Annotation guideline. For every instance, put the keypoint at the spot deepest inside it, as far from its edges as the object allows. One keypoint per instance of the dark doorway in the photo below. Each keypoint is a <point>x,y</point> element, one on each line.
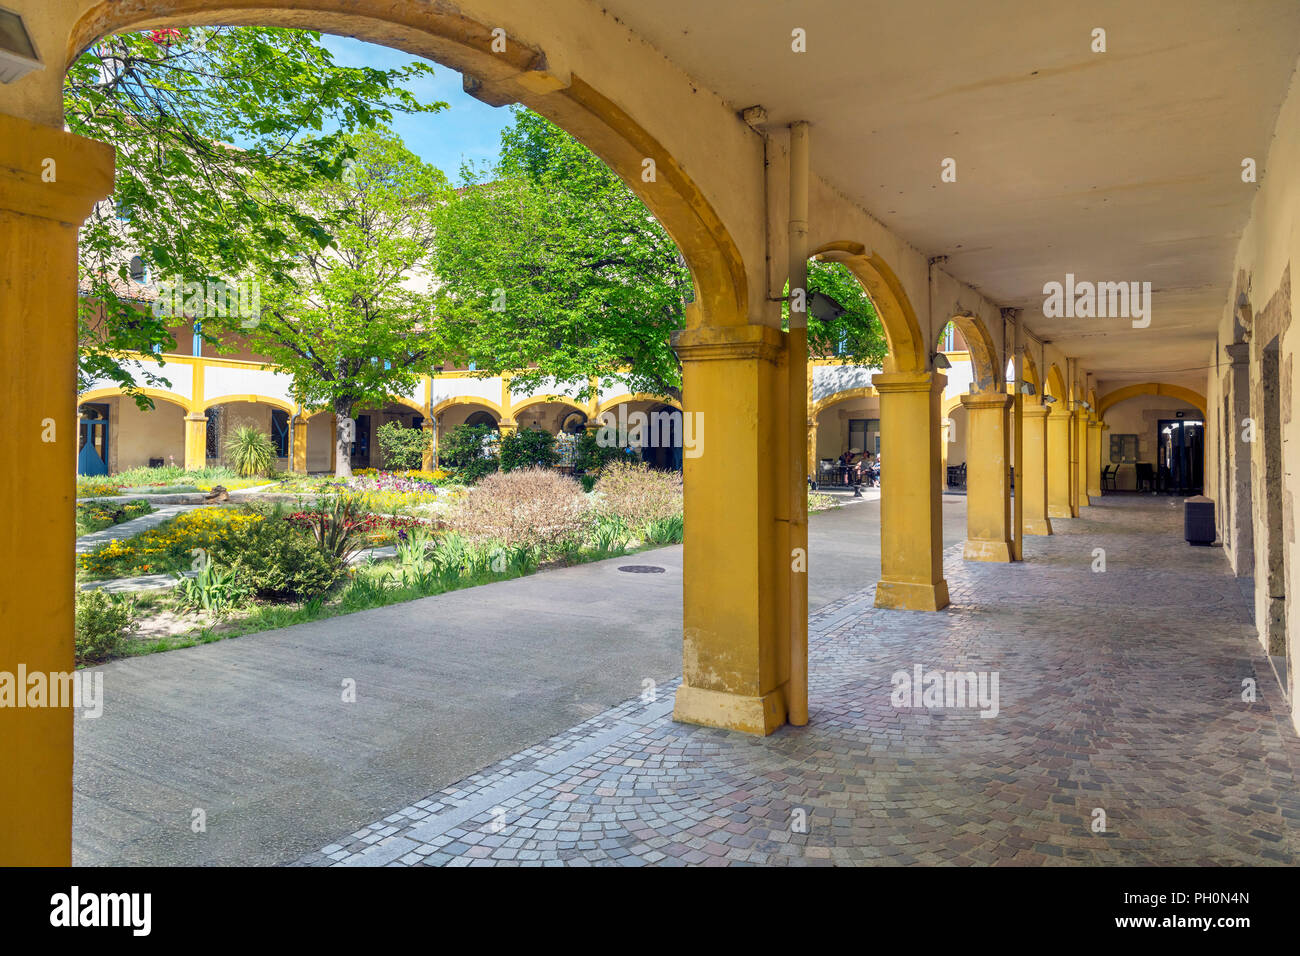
<point>1181,456</point>
<point>361,442</point>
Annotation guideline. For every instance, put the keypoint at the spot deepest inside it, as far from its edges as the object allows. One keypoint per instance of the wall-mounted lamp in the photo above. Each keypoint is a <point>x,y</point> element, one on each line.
<point>824,307</point>
<point>1027,388</point>
<point>1048,400</point>
<point>18,55</point>
<point>941,360</point>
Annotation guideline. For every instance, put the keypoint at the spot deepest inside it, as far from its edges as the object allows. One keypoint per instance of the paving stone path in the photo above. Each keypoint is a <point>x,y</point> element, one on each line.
<point>1120,693</point>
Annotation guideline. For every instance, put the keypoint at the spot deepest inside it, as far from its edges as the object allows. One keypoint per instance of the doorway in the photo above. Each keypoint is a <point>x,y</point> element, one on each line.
<point>92,456</point>
<point>1181,456</point>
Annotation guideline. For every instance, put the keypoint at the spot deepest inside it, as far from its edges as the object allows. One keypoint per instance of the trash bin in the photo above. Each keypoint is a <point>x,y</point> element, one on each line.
<point>1198,520</point>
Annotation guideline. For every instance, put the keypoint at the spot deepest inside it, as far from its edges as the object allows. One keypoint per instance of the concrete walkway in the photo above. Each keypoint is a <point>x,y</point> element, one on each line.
<point>1121,736</point>
<point>254,730</point>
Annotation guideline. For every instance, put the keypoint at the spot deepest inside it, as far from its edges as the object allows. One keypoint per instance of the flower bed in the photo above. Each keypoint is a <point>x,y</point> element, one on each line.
<point>166,548</point>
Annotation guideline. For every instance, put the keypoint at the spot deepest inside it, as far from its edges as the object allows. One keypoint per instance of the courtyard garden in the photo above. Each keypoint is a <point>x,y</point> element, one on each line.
<point>319,548</point>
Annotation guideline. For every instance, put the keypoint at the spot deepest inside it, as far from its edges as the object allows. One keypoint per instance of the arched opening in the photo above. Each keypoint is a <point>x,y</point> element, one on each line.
<point>845,432</point>
<point>518,73</point>
<point>974,335</point>
<point>552,415</point>
<point>226,415</point>
<point>116,434</point>
<point>649,428</point>
<point>911,522</point>
<point>1155,438</point>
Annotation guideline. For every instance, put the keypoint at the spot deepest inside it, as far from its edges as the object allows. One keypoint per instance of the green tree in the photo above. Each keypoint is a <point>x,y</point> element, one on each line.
<point>216,130</point>
<point>352,323</point>
<point>551,264</point>
<point>857,334</point>
<point>402,447</point>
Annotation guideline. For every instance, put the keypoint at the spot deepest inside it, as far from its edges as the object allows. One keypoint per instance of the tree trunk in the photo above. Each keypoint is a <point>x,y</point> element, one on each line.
<point>342,444</point>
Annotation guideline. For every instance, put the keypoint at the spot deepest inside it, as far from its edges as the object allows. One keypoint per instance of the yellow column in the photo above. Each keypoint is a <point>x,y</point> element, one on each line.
<point>196,441</point>
<point>1058,461</point>
<point>1094,460</point>
<point>1031,485</point>
<point>812,446</point>
<point>1080,459</point>
<point>911,518</point>
<point>735,641</point>
<point>507,424</point>
<point>48,182</point>
<point>299,463</point>
<point>988,491</point>
<point>334,442</point>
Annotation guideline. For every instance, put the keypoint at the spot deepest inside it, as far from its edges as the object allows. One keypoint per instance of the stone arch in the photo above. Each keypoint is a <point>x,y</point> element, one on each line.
<point>99,394</point>
<point>521,73</point>
<point>1055,385</point>
<point>279,403</point>
<point>518,407</point>
<point>1113,398</point>
<point>907,349</point>
<point>988,375</point>
<point>605,406</point>
<point>848,394</point>
<point>487,403</point>
<point>1032,376</point>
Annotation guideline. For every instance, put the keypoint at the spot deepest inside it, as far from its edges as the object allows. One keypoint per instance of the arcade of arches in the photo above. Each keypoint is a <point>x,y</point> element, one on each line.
<point>743,195</point>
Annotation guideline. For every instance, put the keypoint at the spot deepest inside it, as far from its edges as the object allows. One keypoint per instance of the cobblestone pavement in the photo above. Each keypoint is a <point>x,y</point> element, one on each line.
<point>1118,691</point>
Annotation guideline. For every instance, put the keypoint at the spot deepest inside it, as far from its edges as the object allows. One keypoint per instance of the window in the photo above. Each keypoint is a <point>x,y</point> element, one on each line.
<point>139,271</point>
<point>1123,449</point>
<point>947,338</point>
<point>214,432</point>
<point>280,432</point>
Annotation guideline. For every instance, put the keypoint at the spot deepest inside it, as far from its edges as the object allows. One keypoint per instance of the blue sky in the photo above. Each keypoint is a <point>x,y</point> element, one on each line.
<point>467,129</point>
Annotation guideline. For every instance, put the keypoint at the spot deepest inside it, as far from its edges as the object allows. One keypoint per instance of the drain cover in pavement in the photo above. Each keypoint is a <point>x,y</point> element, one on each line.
<point>641,569</point>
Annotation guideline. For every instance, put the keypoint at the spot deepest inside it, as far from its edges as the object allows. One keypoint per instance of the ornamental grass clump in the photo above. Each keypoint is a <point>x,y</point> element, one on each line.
<point>250,451</point>
<point>535,508</point>
<point>638,495</point>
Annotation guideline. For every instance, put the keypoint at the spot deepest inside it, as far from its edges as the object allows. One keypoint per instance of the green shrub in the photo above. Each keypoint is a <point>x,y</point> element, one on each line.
<point>339,524</point>
<point>664,530</point>
<point>250,451</point>
<point>528,448</point>
<point>104,622</point>
<point>277,562</point>
<point>591,455</point>
<point>470,449</point>
<point>213,590</point>
<point>402,447</point>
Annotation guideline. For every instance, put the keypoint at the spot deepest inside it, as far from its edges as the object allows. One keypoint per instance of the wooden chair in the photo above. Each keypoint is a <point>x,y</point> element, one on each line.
<point>1146,476</point>
<point>1108,474</point>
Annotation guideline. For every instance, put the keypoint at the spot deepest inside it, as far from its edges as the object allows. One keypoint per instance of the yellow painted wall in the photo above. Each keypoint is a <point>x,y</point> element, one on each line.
<point>136,435</point>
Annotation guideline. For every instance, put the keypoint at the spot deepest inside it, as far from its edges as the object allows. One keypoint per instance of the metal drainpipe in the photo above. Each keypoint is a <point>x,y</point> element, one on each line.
<point>797,381</point>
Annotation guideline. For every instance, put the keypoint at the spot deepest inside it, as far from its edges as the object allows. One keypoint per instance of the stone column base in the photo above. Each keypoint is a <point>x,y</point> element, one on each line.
<point>712,708</point>
<point>980,549</point>
<point>911,596</point>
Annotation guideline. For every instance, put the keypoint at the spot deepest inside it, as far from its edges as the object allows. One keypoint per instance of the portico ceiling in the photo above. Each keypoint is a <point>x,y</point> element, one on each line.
<point>1115,166</point>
